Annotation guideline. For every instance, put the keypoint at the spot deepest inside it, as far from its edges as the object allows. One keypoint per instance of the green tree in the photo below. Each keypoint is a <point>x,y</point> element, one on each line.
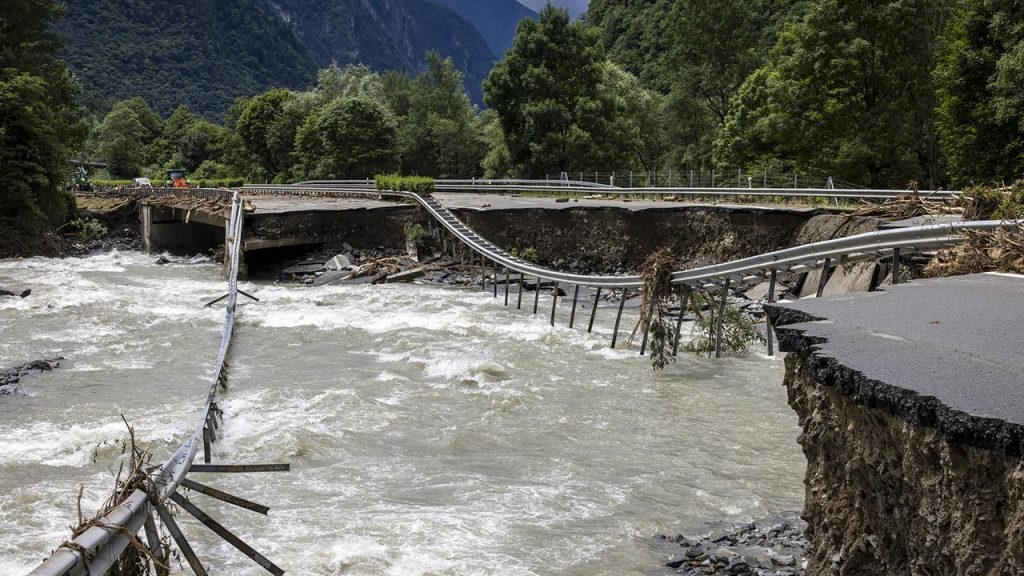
<point>348,138</point>
<point>979,79</point>
<point>121,141</point>
<point>436,136</point>
<point>546,94</point>
<point>353,81</point>
<point>258,124</point>
<point>40,124</point>
<point>848,92</point>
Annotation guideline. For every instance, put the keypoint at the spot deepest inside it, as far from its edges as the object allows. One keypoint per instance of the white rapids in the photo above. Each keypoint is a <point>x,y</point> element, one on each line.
<point>430,431</point>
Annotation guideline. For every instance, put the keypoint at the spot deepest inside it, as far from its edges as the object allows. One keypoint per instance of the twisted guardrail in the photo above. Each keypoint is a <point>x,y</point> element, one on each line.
<point>818,255</point>
<point>97,549</point>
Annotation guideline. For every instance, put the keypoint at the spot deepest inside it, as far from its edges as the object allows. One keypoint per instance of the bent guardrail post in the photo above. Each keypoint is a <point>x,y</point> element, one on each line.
<point>593,311</point>
<point>721,317</point>
<point>684,299</point>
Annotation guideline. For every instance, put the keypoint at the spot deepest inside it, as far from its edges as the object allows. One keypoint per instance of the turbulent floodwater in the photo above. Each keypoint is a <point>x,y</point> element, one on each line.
<point>430,431</point>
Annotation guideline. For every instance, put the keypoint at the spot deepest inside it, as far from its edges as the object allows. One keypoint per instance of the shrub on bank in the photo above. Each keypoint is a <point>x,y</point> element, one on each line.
<point>404,183</point>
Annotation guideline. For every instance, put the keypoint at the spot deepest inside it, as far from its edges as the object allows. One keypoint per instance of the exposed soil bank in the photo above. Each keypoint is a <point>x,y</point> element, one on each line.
<point>603,240</point>
<point>900,481</point>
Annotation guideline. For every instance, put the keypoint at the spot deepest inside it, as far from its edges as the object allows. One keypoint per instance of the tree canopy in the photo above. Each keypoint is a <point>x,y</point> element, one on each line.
<point>40,124</point>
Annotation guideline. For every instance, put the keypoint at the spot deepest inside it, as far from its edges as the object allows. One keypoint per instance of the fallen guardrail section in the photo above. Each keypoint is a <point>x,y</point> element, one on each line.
<point>878,245</point>
<point>97,549</point>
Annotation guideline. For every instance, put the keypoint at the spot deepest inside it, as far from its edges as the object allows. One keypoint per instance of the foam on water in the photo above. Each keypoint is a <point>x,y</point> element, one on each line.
<point>430,431</point>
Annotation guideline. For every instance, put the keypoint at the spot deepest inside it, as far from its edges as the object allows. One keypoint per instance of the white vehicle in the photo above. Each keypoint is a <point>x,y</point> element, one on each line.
<point>141,183</point>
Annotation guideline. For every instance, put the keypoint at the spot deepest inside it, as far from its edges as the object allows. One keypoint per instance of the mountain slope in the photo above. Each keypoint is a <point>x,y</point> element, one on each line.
<point>202,53</point>
<point>387,34</point>
<point>495,19</point>
<point>206,53</point>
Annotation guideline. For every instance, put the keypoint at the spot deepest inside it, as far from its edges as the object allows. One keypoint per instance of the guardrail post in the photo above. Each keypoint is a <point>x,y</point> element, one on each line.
<point>824,278</point>
<point>506,286</point>
<point>554,303</point>
<point>593,311</point>
<point>522,283</point>
<point>896,266</point>
<point>768,320</point>
<point>575,295</point>
<point>721,315</point>
<point>536,295</point>
<point>483,273</point>
<point>684,299</point>
<point>495,269</point>
<point>618,317</point>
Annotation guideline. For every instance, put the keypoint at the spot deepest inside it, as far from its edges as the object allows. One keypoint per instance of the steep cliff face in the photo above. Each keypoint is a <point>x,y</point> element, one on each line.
<point>888,497</point>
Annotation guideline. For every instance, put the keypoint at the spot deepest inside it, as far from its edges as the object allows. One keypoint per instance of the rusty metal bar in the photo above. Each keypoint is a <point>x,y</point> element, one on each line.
<point>522,283</point>
<point>593,311</point>
<point>153,541</point>
<point>239,468</point>
<point>225,497</point>
<point>721,316</point>
<point>247,295</point>
<point>575,296</point>
<point>214,301</point>
<point>206,445</point>
<point>554,303</point>
<point>181,541</point>
<point>536,295</point>
<point>227,535</point>
<point>823,279</point>
<point>618,317</point>
<point>684,299</point>
<point>768,320</point>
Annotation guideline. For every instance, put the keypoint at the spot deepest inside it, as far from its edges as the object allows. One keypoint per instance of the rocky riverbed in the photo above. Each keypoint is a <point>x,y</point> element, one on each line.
<point>772,548</point>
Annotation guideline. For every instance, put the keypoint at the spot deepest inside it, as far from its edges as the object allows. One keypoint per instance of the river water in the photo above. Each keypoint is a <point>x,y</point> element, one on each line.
<point>430,430</point>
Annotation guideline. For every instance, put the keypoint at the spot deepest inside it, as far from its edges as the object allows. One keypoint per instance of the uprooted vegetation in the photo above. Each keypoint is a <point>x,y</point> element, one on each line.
<point>655,296</point>
<point>739,332</point>
<point>1001,250</point>
<point>137,559</point>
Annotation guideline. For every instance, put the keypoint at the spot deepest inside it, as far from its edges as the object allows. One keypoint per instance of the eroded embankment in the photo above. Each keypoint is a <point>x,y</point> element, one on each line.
<point>593,239</point>
<point>903,478</point>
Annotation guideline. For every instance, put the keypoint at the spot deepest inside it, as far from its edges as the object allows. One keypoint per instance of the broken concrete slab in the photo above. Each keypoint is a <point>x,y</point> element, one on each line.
<point>406,275</point>
<point>852,278</point>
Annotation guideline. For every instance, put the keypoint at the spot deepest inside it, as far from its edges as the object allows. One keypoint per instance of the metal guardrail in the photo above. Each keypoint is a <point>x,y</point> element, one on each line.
<point>97,549</point>
<point>796,259</point>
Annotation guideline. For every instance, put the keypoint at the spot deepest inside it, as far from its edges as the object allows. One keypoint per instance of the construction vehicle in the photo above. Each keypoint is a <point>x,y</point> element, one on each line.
<point>177,178</point>
<point>80,180</point>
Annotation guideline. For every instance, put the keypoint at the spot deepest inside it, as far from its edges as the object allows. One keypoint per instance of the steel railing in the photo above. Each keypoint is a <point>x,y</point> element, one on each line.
<point>796,259</point>
<point>96,550</point>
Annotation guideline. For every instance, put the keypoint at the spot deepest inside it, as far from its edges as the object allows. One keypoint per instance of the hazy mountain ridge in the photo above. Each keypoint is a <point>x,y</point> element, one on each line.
<point>206,53</point>
<point>495,19</point>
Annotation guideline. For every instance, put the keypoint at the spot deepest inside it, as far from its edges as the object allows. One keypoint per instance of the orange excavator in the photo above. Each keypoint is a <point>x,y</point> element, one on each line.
<point>177,178</point>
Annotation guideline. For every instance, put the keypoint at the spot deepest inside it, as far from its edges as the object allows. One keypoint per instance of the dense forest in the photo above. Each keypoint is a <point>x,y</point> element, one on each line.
<point>885,94</point>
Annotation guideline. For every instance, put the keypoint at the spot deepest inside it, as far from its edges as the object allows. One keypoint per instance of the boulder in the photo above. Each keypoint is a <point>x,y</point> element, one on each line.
<point>406,275</point>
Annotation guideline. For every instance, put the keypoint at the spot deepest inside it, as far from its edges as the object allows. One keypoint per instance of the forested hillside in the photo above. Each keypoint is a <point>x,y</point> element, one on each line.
<point>877,93</point>
<point>387,35</point>
<point>206,53</point>
<point>202,53</point>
